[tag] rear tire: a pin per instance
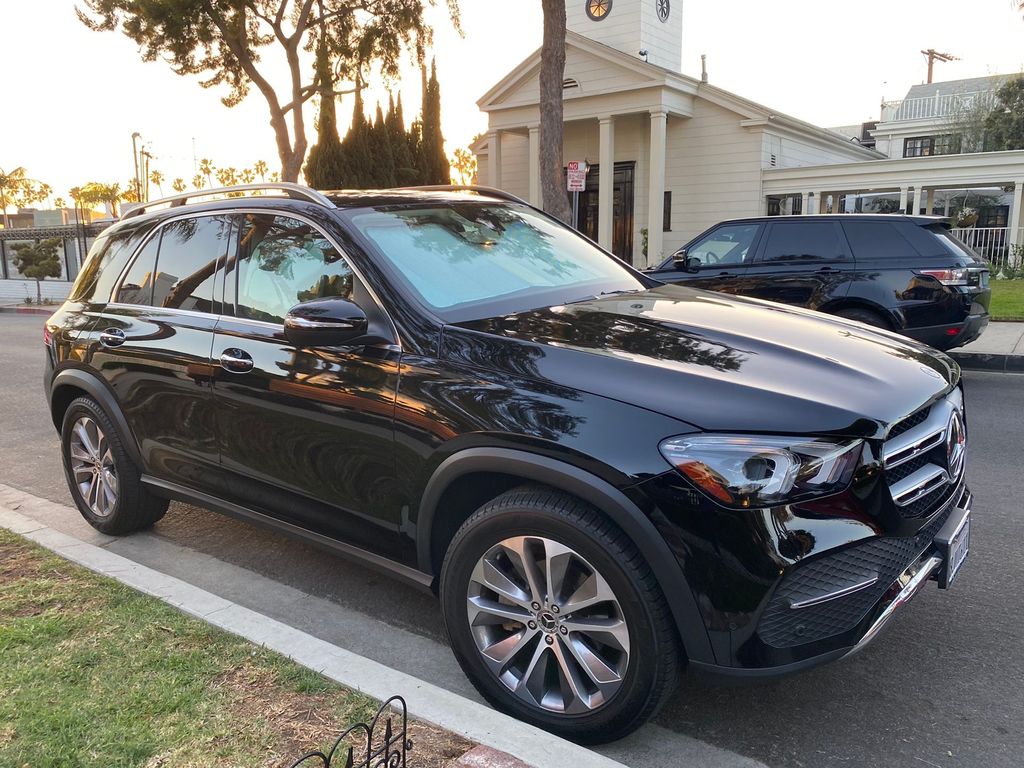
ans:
(866, 316)
(104, 481)
(591, 661)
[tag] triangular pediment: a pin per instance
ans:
(594, 69)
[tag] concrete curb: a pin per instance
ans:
(427, 702)
(988, 361)
(29, 310)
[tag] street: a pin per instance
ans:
(942, 687)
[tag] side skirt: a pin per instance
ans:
(177, 492)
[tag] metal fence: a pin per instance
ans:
(75, 243)
(994, 244)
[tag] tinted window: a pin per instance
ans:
(137, 286)
(731, 244)
(473, 260)
(107, 258)
(190, 252)
(878, 240)
(802, 241)
(284, 262)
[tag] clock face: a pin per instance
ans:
(664, 9)
(598, 9)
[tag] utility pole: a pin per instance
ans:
(934, 56)
(135, 157)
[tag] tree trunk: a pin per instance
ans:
(39, 292)
(552, 74)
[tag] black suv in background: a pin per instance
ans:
(905, 273)
(604, 478)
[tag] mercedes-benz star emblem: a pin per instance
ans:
(956, 442)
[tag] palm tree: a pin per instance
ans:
(17, 189)
(261, 168)
(197, 181)
(178, 185)
(155, 177)
(206, 168)
(552, 75)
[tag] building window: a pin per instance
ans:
(666, 222)
(784, 205)
(925, 146)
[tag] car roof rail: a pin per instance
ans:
(499, 193)
(294, 191)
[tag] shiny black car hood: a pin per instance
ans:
(717, 362)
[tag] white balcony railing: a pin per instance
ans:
(993, 244)
(937, 106)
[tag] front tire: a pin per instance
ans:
(556, 618)
(103, 480)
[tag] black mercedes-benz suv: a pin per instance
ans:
(604, 478)
(907, 274)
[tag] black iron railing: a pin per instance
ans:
(364, 746)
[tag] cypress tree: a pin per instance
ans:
(384, 160)
(438, 168)
(326, 166)
(399, 137)
(356, 143)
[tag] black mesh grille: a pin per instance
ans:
(927, 503)
(886, 557)
(895, 474)
(908, 423)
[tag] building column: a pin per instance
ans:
(805, 203)
(929, 200)
(814, 202)
(904, 193)
(1014, 220)
(656, 186)
(535, 166)
(606, 183)
(494, 159)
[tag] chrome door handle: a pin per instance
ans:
(112, 337)
(235, 360)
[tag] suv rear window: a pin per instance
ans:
(880, 240)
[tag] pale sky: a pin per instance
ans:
(72, 98)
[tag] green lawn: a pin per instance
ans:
(95, 674)
(1007, 300)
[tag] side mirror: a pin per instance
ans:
(325, 323)
(684, 262)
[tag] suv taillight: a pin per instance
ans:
(947, 276)
(47, 336)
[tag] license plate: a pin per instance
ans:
(954, 542)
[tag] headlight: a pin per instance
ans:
(746, 472)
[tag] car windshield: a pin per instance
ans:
(468, 261)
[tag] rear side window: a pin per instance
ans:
(802, 241)
(107, 258)
(137, 286)
(191, 250)
(880, 240)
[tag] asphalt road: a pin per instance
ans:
(942, 687)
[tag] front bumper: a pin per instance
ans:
(833, 612)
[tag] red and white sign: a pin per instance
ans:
(576, 176)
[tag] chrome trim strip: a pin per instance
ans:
(301, 322)
(917, 575)
(920, 483)
(906, 453)
(834, 595)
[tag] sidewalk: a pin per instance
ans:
(1000, 348)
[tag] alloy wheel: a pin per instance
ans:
(548, 625)
(92, 466)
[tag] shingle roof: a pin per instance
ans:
(952, 87)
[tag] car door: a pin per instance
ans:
(802, 262)
(306, 433)
(718, 260)
(154, 342)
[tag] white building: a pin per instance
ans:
(703, 154)
(697, 151)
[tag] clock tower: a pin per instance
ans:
(631, 26)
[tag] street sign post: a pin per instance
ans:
(576, 182)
